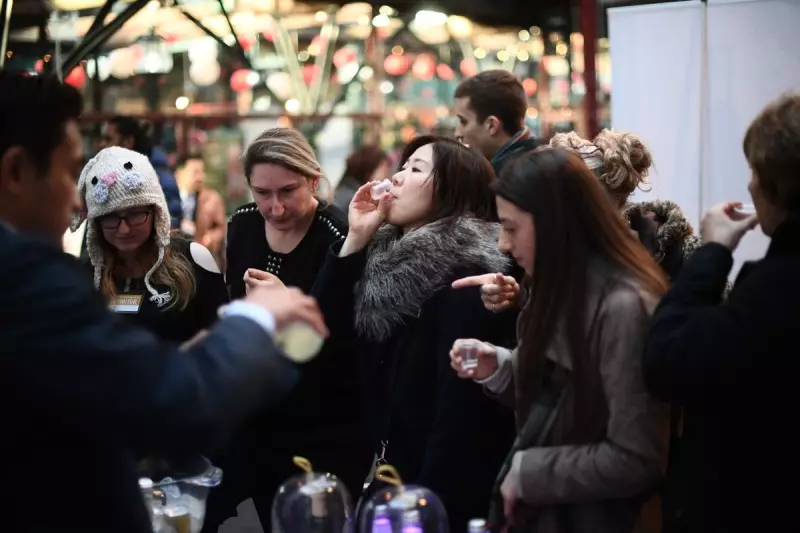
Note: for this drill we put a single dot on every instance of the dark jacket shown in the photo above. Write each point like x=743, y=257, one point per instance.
x=522, y=142
x=733, y=366
x=438, y=430
x=79, y=389
x=160, y=163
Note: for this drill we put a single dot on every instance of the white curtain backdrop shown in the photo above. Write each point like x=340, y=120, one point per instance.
x=689, y=78
x=656, y=76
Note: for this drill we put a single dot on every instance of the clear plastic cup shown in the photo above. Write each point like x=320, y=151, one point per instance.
x=468, y=351
x=746, y=209
x=379, y=189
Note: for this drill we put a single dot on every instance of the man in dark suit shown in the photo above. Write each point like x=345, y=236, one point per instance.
x=80, y=389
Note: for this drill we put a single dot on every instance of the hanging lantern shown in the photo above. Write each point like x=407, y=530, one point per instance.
x=396, y=65
x=247, y=42
x=343, y=56
x=204, y=73
x=468, y=67
x=243, y=79
x=317, y=45
x=424, y=67
x=280, y=83
x=530, y=86
x=310, y=73
x=122, y=63
x=444, y=72
x=76, y=77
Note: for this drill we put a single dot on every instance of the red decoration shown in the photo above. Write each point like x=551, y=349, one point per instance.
x=310, y=73
x=39, y=66
x=396, y=65
x=76, y=78
x=444, y=72
x=247, y=42
x=317, y=45
x=424, y=67
x=243, y=79
x=468, y=67
x=530, y=86
x=343, y=56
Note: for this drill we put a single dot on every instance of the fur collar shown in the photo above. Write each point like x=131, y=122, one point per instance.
x=671, y=223
x=404, y=271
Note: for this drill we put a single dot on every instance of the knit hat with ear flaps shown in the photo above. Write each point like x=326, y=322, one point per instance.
x=113, y=180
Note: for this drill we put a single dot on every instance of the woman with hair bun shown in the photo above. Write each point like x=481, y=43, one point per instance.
x=622, y=163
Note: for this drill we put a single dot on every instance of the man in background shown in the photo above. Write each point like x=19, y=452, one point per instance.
x=203, y=208
x=128, y=133
x=491, y=107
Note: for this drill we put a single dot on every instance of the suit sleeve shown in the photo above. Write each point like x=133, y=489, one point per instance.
x=698, y=344
x=63, y=346
x=630, y=459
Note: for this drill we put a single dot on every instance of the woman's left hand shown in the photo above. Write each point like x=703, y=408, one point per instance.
x=254, y=277
x=511, y=491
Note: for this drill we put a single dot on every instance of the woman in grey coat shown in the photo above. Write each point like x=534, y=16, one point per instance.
x=592, y=289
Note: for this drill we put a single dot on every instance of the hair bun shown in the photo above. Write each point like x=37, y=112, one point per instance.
x=627, y=161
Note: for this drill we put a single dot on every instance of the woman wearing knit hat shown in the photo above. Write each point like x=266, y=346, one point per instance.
x=161, y=282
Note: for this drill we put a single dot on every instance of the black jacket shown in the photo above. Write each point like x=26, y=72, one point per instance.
x=733, y=366
x=443, y=432
x=79, y=389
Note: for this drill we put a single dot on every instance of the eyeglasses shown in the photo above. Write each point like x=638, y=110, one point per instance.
x=136, y=218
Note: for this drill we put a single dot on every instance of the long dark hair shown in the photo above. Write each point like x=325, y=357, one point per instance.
x=575, y=225
x=461, y=179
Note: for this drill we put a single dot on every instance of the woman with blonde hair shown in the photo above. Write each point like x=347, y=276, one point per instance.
x=157, y=280
x=284, y=237
x=622, y=162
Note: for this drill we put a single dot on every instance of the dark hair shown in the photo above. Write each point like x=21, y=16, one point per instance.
x=772, y=148
x=496, y=93
x=461, y=179
x=34, y=111
x=182, y=160
x=362, y=163
x=574, y=224
x=130, y=127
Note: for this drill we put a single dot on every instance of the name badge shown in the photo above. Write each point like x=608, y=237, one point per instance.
x=127, y=303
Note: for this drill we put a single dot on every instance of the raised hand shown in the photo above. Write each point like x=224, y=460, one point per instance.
x=498, y=292
x=364, y=217
x=723, y=224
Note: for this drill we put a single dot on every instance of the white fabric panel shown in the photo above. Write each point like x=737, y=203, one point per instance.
x=656, y=72
x=752, y=59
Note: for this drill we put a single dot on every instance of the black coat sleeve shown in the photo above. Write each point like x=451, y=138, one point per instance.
x=334, y=289
x=63, y=348
x=234, y=274
x=210, y=293
x=471, y=432
x=701, y=347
